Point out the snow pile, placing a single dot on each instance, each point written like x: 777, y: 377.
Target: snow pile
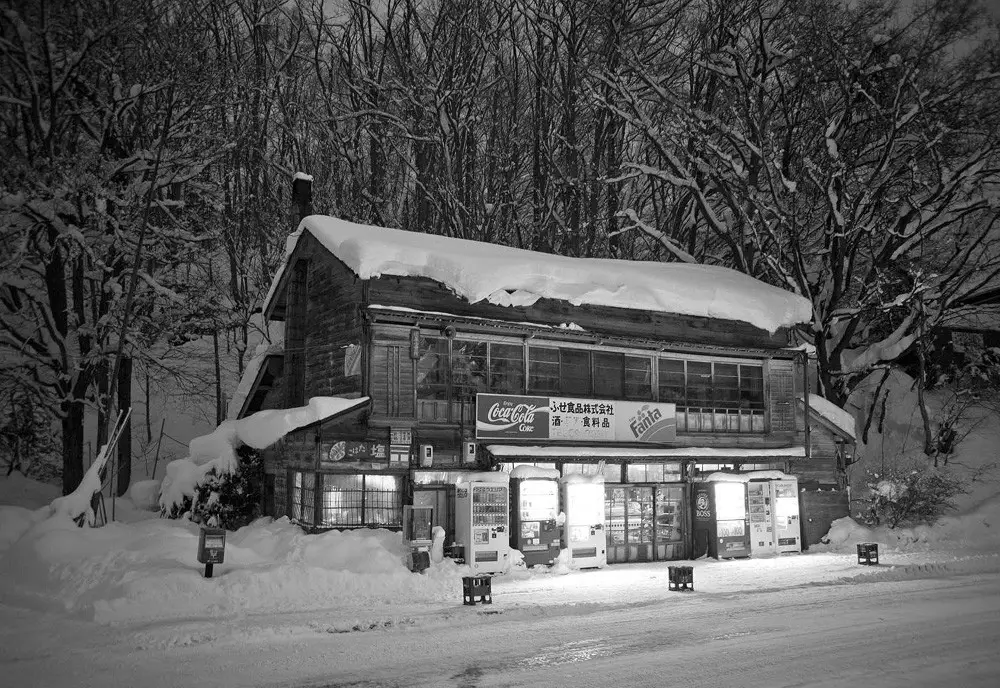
x: 217, y: 450
x: 515, y: 277
x: 149, y: 570
x: 978, y: 530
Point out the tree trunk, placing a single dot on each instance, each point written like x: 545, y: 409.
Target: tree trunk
x: 125, y: 440
x: 220, y: 413
x: 72, y: 445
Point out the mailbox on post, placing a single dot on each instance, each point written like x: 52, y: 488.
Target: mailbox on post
x: 211, y: 548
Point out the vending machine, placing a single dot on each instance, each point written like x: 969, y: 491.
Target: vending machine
x: 787, y: 524
x: 583, y: 529
x: 482, y: 503
x: 534, y: 509
x: 720, y: 519
x: 775, y: 526
x: 761, y: 510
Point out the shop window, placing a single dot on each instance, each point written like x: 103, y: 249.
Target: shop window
x: 574, y: 373
x: 612, y: 472
x: 360, y: 500
x: 468, y: 368
x: 432, y: 368
x: 506, y: 368
x: 638, y: 377
x: 543, y: 370
x: 714, y: 396
x: 672, y: 378
x: 653, y: 473
x: 302, y: 495
x: 383, y: 501
x: 609, y: 374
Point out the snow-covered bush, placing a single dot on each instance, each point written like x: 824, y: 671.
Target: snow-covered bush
x: 910, y: 497
x: 228, y: 500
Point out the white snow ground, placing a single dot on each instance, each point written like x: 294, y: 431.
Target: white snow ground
x: 128, y: 605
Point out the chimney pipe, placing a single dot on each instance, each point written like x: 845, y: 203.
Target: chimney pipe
x: 301, y: 196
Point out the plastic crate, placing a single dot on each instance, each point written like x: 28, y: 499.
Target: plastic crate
x: 868, y: 553
x: 680, y: 577
x: 477, y: 589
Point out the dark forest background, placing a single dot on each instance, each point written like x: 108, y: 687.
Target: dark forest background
x: 846, y: 151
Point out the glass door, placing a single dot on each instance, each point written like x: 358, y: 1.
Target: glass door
x: 639, y: 523
x: 614, y: 523
x: 671, y: 508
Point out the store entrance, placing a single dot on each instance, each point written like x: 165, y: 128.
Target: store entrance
x: 645, y: 522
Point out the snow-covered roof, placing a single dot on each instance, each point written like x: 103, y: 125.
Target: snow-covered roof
x: 525, y: 472
x: 833, y: 413
x: 722, y: 477
x: 506, y: 276
x: 250, y: 375
x: 504, y: 450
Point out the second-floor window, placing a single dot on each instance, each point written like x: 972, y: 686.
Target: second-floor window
x: 582, y: 373
x: 712, y: 396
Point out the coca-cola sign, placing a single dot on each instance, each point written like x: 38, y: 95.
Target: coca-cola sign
x: 511, y: 416
x: 582, y: 420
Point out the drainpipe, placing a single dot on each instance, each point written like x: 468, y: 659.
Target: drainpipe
x: 805, y: 401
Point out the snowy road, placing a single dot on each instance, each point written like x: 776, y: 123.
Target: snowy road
x: 915, y: 633
x: 915, y: 625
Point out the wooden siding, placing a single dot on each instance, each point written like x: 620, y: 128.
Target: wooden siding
x: 332, y: 321
x: 392, y: 375
x: 781, y: 402
x: 819, y: 509
x: 425, y: 294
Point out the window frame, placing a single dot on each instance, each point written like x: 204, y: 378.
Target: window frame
x: 319, y: 508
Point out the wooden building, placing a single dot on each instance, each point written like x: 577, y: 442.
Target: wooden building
x: 467, y: 356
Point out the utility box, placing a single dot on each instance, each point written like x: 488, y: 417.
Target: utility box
x: 418, y: 525
x: 211, y: 545
x: 211, y: 548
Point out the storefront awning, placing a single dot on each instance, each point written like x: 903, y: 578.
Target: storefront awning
x: 605, y: 452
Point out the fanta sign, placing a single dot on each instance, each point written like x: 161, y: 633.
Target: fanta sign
x: 560, y: 418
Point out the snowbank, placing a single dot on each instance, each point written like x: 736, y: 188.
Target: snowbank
x: 149, y: 570
x: 978, y: 530
x: 515, y: 277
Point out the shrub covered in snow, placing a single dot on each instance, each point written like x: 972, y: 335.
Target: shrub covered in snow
x: 910, y: 497
x: 224, y: 499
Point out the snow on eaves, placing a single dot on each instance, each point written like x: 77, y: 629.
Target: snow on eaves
x: 833, y: 413
x: 502, y: 275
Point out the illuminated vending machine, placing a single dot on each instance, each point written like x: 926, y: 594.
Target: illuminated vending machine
x: 720, y: 520
x: 534, y: 508
x: 583, y: 531
x: 482, y: 503
x: 775, y: 526
x: 787, y: 524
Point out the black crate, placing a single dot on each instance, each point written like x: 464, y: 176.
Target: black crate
x: 477, y: 589
x: 680, y: 577
x: 868, y: 553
